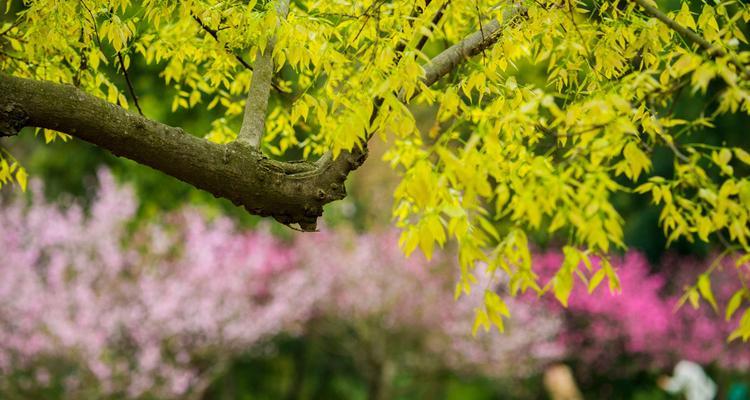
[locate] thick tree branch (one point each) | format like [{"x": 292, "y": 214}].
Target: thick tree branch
[
  {"x": 692, "y": 37},
  {"x": 256, "y": 105},
  {"x": 291, "y": 192}
]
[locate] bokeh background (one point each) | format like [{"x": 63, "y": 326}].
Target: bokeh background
[{"x": 117, "y": 281}]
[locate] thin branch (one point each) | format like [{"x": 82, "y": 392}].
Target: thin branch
[
  {"x": 438, "y": 16},
  {"x": 214, "y": 34},
  {"x": 327, "y": 157},
  {"x": 13, "y": 25},
  {"x": 119, "y": 57},
  {"x": 481, "y": 28},
  {"x": 93, "y": 25},
  {"x": 367, "y": 14},
  {"x": 450, "y": 58},
  {"x": 399, "y": 49},
  {"x": 690, "y": 36},
  {"x": 256, "y": 105},
  {"x": 130, "y": 84}
]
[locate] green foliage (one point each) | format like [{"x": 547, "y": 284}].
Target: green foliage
[{"x": 540, "y": 133}]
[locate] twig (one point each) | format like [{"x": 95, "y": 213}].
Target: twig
[
  {"x": 130, "y": 84},
  {"x": 119, "y": 58},
  {"x": 399, "y": 50},
  {"x": 438, "y": 16},
  {"x": 378, "y": 3},
  {"x": 692, "y": 37},
  {"x": 214, "y": 34},
  {"x": 481, "y": 27}
]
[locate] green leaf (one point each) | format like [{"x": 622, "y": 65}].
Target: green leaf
[
  {"x": 742, "y": 155},
  {"x": 596, "y": 280},
  {"x": 704, "y": 287},
  {"x": 734, "y": 303},
  {"x": 21, "y": 178},
  {"x": 562, "y": 285},
  {"x": 481, "y": 319}
]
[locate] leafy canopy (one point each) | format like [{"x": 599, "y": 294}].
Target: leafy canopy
[{"x": 539, "y": 132}]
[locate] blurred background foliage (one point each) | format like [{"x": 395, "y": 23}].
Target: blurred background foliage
[{"x": 316, "y": 364}]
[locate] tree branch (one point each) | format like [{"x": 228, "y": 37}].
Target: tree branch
[
  {"x": 291, "y": 192},
  {"x": 256, "y": 105},
  {"x": 690, "y": 36},
  {"x": 450, "y": 58},
  {"x": 214, "y": 33}
]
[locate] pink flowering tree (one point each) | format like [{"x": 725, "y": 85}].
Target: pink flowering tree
[
  {"x": 397, "y": 314},
  {"x": 644, "y": 321},
  {"x": 157, "y": 312},
  {"x": 93, "y": 306}
]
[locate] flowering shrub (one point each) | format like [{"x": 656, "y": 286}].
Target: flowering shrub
[
  {"x": 96, "y": 307},
  {"x": 644, "y": 321},
  {"x": 154, "y": 312},
  {"x": 407, "y": 306},
  {"x": 699, "y": 334},
  {"x": 160, "y": 310}
]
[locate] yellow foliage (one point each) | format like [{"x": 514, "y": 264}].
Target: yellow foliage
[{"x": 537, "y": 133}]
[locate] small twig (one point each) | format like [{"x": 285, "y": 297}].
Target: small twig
[
  {"x": 481, "y": 27},
  {"x": 82, "y": 63},
  {"x": 399, "y": 50},
  {"x": 214, "y": 34},
  {"x": 130, "y": 84},
  {"x": 119, "y": 58},
  {"x": 93, "y": 23},
  {"x": 690, "y": 36},
  {"x": 378, "y": 3},
  {"x": 438, "y": 16}
]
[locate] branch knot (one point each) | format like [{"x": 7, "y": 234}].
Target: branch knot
[{"x": 13, "y": 118}]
